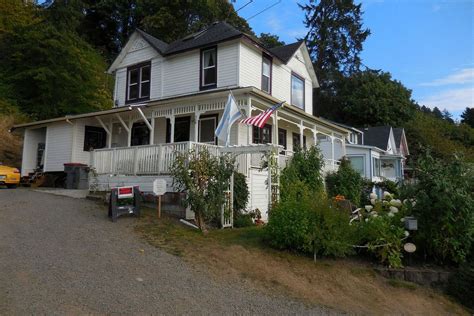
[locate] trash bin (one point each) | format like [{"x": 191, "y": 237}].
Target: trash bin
[{"x": 77, "y": 176}]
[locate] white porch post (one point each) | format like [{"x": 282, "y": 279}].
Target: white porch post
[
  {"x": 109, "y": 136},
  {"x": 129, "y": 135},
  {"x": 332, "y": 150},
  {"x": 197, "y": 116},
  {"x": 315, "y": 136},
  {"x": 152, "y": 131},
  {"x": 301, "y": 134},
  {"x": 171, "y": 118},
  {"x": 275, "y": 128},
  {"x": 344, "y": 146},
  {"x": 249, "y": 127}
]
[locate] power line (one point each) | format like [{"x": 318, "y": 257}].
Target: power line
[
  {"x": 244, "y": 6},
  {"x": 264, "y": 10}
]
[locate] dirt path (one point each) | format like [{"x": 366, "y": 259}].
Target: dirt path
[{"x": 63, "y": 256}]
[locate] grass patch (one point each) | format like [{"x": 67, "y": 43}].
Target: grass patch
[
  {"x": 343, "y": 284},
  {"x": 402, "y": 284}
]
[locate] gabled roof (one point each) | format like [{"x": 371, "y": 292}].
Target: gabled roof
[
  {"x": 377, "y": 136},
  {"x": 215, "y": 33},
  {"x": 157, "y": 44},
  {"x": 397, "y": 134},
  {"x": 287, "y": 51}
]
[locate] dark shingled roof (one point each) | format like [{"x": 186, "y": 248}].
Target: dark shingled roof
[
  {"x": 287, "y": 51},
  {"x": 397, "y": 134},
  {"x": 377, "y": 136},
  {"x": 157, "y": 44},
  {"x": 213, "y": 34},
  {"x": 216, "y": 32}
]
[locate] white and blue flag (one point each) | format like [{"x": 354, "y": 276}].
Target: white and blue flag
[{"x": 230, "y": 116}]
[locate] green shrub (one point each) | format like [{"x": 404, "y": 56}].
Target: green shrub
[
  {"x": 461, "y": 284},
  {"x": 303, "y": 168},
  {"x": 346, "y": 181},
  {"x": 243, "y": 220},
  {"x": 241, "y": 193},
  {"x": 444, "y": 209},
  {"x": 389, "y": 186},
  {"x": 308, "y": 223}
]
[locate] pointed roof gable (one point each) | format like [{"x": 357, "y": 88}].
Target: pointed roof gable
[
  {"x": 378, "y": 136},
  {"x": 285, "y": 52},
  {"x": 400, "y": 139},
  {"x": 157, "y": 44}
]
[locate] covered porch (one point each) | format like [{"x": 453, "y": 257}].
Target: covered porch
[{"x": 144, "y": 140}]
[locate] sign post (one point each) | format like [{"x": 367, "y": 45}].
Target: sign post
[{"x": 159, "y": 188}]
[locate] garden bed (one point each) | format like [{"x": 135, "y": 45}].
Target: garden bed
[{"x": 345, "y": 284}]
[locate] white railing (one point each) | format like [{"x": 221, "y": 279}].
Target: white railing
[{"x": 143, "y": 160}]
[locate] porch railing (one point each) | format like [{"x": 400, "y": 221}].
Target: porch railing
[{"x": 143, "y": 160}]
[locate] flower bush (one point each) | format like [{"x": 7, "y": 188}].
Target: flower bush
[{"x": 379, "y": 228}]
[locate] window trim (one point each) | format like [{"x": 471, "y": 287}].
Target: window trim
[
  {"x": 270, "y": 59},
  {"x": 297, "y": 135},
  {"x": 261, "y": 131},
  {"x": 285, "y": 140},
  {"x": 96, "y": 129},
  {"x": 127, "y": 90},
  {"x": 201, "y": 69},
  {"x": 216, "y": 116},
  {"x": 168, "y": 128},
  {"x": 304, "y": 89},
  {"x": 363, "y": 162}
]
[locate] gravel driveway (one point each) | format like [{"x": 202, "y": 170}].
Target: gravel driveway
[{"x": 60, "y": 255}]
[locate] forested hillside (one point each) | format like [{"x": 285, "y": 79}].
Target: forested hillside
[{"x": 54, "y": 56}]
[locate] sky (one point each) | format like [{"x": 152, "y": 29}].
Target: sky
[{"x": 428, "y": 45}]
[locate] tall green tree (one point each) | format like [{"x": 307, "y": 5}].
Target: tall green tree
[
  {"x": 270, "y": 40},
  {"x": 50, "y": 73},
  {"x": 371, "y": 98},
  {"x": 335, "y": 39},
  {"x": 467, "y": 117}
]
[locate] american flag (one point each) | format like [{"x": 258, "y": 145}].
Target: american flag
[{"x": 262, "y": 118}]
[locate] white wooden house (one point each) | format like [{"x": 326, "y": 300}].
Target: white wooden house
[
  {"x": 170, "y": 97},
  {"x": 378, "y": 153}
]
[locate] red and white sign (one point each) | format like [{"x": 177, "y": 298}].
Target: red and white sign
[{"x": 125, "y": 192}]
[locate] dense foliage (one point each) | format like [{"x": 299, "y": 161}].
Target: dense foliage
[
  {"x": 304, "y": 171},
  {"x": 467, "y": 117},
  {"x": 309, "y": 223},
  {"x": 204, "y": 178},
  {"x": 445, "y": 209},
  {"x": 461, "y": 284},
  {"x": 346, "y": 182}
]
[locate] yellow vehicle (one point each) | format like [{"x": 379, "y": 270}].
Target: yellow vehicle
[{"x": 9, "y": 176}]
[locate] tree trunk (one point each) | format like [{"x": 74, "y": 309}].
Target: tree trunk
[{"x": 200, "y": 222}]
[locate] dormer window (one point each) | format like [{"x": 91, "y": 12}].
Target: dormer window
[
  {"x": 266, "y": 74},
  {"x": 208, "y": 68},
  {"x": 138, "y": 82}
]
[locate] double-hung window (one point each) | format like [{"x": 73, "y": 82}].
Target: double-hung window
[
  {"x": 377, "y": 167},
  {"x": 138, "y": 82},
  {"x": 94, "y": 138},
  {"x": 266, "y": 74},
  {"x": 297, "y": 91},
  {"x": 262, "y": 135},
  {"x": 208, "y": 68},
  {"x": 207, "y": 126}
]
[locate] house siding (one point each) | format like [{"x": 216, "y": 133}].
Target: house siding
[
  {"x": 181, "y": 74},
  {"x": 251, "y": 74},
  {"x": 227, "y": 64},
  {"x": 31, "y": 140},
  {"x": 58, "y": 146}
]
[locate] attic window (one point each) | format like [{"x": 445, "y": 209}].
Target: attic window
[
  {"x": 138, "y": 82},
  {"x": 208, "y": 68}
]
